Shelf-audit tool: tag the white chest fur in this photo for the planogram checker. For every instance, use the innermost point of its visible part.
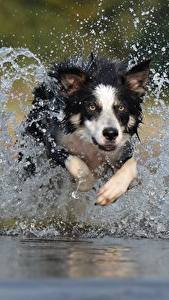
(97, 160)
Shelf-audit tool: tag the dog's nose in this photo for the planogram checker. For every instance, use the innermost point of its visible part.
(110, 133)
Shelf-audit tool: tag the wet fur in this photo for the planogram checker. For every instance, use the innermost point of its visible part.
(73, 107)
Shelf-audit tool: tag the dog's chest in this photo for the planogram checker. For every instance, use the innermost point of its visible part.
(96, 159)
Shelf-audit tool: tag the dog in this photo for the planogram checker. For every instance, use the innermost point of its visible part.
(85, 113)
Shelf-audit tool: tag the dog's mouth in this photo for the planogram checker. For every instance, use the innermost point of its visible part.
(106, 147)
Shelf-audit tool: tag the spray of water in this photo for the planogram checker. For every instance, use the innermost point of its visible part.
(48, 203)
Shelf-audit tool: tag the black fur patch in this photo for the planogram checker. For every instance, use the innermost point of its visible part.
(74, 95)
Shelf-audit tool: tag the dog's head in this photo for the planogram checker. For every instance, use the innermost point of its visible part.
(104, 103)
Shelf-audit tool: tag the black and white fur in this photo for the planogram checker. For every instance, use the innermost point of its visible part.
(85, 114)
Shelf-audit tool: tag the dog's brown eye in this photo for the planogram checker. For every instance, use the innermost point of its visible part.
(92, 107)
(121, 108)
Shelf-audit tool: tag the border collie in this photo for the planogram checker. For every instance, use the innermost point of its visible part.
(85, 113)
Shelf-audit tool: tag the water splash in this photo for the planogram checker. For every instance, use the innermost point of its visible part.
(43, 205)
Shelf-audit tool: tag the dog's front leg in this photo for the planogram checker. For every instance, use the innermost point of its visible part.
(80, 171)
(118, 183)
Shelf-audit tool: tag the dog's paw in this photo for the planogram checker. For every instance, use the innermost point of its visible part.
(80, 171)
(118, 184)
(112, 190)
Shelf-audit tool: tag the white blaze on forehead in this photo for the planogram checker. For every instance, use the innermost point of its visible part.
(106, 95)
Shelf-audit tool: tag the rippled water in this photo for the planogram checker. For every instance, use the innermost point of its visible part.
(44, 205)
(81, 258)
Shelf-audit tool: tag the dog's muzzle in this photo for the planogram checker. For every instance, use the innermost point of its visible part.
(106, 147)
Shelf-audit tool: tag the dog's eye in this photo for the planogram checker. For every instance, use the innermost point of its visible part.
(92, 107)
(121, 108)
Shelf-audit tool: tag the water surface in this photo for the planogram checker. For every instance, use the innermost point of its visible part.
(33, 258)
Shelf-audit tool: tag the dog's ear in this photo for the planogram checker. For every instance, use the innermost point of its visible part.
(137, 77)
(72, 80)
